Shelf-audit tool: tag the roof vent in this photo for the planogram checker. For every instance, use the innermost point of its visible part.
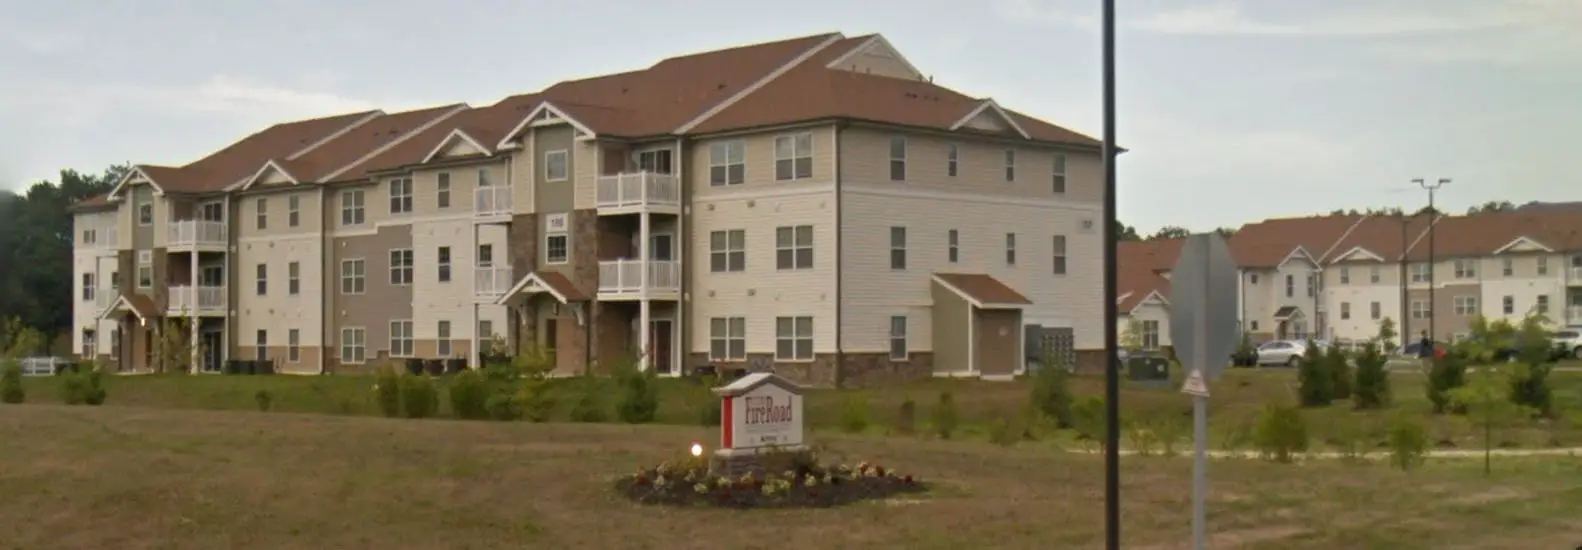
(721, 86)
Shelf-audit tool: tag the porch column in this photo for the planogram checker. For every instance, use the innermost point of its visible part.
(192, 313)
(644, 332)
(477, 354)
(644, 232)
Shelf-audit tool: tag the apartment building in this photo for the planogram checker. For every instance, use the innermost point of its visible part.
(816, 206)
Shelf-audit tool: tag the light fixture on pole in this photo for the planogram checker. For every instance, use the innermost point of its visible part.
(1433, 223)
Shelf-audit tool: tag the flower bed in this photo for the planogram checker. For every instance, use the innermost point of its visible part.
(689, 483)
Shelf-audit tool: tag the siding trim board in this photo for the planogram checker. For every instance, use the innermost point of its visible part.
(904, 192)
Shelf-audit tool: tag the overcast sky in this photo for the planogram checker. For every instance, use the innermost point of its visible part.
(1233, 111)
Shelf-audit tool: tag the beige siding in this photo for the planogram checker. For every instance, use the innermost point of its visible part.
(161, 219)
(463, 182)
(522, 180)
(277, 207)
(1150, 310)
(376, 208)
(1358, 293)
(585, 173)
(278, 311)
(878, 59)
(125, 221)
(759, 155)
(1257, 300)
(865, 157)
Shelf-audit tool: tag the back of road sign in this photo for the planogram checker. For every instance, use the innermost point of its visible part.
(1204, 327)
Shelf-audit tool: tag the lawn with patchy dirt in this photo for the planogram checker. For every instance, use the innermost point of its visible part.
(134, 478)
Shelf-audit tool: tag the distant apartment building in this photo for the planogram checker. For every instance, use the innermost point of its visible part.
(815, 206)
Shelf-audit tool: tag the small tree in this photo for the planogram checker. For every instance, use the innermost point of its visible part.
(945, 416)
(1448, 373)
(1372, 387)
(1387, 334)
(1091, 420)
(11, 390)
(1281, 433)
(1132, 336)
(1340, 375)
(1530, 381)
(1487, 402)
(1052, 393)
(1408, 442)
(639, 395)
(173, 350)
(1316, 383)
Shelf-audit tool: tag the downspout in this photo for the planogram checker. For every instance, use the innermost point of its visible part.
(680, 338)
(327, 291)
(840, 352)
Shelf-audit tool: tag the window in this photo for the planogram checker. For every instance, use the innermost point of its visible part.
(1542, 304)
(898, 350)
(352, 277)
(1010, 249)
(728, 251)
(1312, 285)
(400, 195)
(794, 247)
(1508, 305)
(261, 348)
(293, 345)
(1290, 286)
(1345, 275)
(485, 329)
(442, 190)
(1466, 269)
(657, 161)
(897, 158)
(401, 266)
(115, 280)
(89, 348)
(1419, 309)
(443, 334)
(1059, 182)
(952, 160)
(953, 240)
(557, 247)
(1058, 259)
(87, 287)
(1373, 275)
(293, 278)
(1374, 311)
(897, 247)
(1254, 325)
(354, 345)
(1010, 165)
(794, 338)
(293, 211)
(89, 236)
(352, 207)
(1507, 267)
(400, 338)
(1345, 311)
(444, 264)
(145, 269)
(1420, 273)
(145, 213)
(728, 338)
(1465, 306)
(1252, 279)
(1543, 265)
(1150, 335)
(212, 211)
(727, 163)
(484, 179)
(555, 165)
(794, 156)
(485, 255)
(262, 213)
(261, 279)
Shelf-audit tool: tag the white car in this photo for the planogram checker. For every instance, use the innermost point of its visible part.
(1569, 340)
(1281, 352)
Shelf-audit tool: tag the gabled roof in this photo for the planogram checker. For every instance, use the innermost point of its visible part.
(1522, 242)
(344, 150)
(990, 106)
(1266, 244)
(456, 135)
(485, 124)
(1484, 234)
(137, 304)
(1379, 238)
(1140, 265)
(981, 290)
(553, 282)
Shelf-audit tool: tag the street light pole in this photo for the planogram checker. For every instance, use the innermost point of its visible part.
(1112, 375)
(1433, 224)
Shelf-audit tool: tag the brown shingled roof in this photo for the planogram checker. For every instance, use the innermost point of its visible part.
(1140, 264)
(1267, 243)
(240, 160)
(1482, 234)
(1381, 236)
(985, 289)
(354, 144)
(485, 124)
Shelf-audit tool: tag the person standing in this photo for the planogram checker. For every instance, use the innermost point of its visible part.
(1425, 351)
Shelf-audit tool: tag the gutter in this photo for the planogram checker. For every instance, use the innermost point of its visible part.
(327, 317)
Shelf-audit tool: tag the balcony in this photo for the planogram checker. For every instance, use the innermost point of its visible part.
(494, 201)
(634, 192)
(624, 278)
(210, 300)
(194, 233)
(490, 282)
(1576, 276)
(1574, 315)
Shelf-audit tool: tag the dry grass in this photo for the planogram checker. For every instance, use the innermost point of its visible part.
(134, 478)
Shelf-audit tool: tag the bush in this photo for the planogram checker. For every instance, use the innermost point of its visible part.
(11, 383)
(589, 406)
(639, 397)
(1372, 390)
(1089, 418)
(1339, 367)
(1448, 373)
(469, 396)
(82, 388)
(906, 418)
(1170, 430)
(419, 397)
(1140, 434)
(1003, 433)
(1530, 388)
(1052, 394)
(1281, 433)
(1316, 382)
(854, 414)
(387, 391)
(946, 418)
(263, 399)
(1408, 443)
(503, 406)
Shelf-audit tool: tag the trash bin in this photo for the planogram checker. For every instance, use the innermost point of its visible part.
(414, 367)
(454, 365)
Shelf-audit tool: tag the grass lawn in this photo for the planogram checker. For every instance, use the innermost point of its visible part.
(134, 478)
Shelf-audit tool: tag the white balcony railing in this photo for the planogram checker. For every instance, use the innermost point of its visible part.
(626, 276)
(490, 282)
(1574, 315)
(105, 238)
(494, 200)
(638, 189)
(194, 232)
(209, 299)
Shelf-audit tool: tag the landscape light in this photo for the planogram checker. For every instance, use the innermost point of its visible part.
(697, 449)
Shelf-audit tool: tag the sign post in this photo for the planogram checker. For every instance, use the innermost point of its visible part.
(1203, 330)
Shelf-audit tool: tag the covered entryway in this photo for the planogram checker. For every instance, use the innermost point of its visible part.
(1290, 324)
(977, 326)
(548, 314)
(137, 322)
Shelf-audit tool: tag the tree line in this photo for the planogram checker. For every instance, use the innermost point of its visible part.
(36, 286)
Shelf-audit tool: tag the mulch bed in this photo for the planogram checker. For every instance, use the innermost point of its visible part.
(806, 486)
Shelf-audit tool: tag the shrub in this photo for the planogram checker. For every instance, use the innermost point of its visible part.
(946, 417)
(1002, 433)
(11, 383)
(639, 397)
(1281, 433)
(469, 396)
(906, 418)
(263, 399)
(1316, 382)
(854, 414)
(82, 388)
(1530, 388)
(1089, 418)
(1169, 430)
(1488, 404)
(1448, 373)
(1408, 442)
(1052, 394)
(1140, 435)
(387, 391)
(589, 406)
(1339, 367)
(1372, 390)
(503, 406)
(419, 397)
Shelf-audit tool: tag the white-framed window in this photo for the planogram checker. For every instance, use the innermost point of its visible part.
(293, 345)
(1419, 309)
(1375, 310)
(897, 158)
(400, 195)
(658, 161)
(1150, 335)
(898, 351)
(485, 329)
(484, 179)
(1373, 275)
(261, 345)
(1059, 180)
(353, 276)
(442, 190)
(293, 278)
(1010, 249)
(485, 255)
(1252, 278)
(794, 247)
(1420, 272)
(555, 165)
(1290, 286)
(145, 269)
(728, 251)
(354, 345)
(1541, 305)
(1465, 306)
(401, 266)
(1345, 275)
(1058, 256)
(212, 211)
(293, 210)
(262, 214)
(1466, 268)
(261, 279)
(557, 247)
(115, 281)
(1543, 265)
(1508, 305)
(401, 338)
(443, 264)
(952, 159)
(145, 213)
(794, 156)
(87, 287)
(442, 334)
(728, 338)
(1312, 284)
(90, 236)
(1507, 267)
(1345, 311)
(90, 348)
(953, 246)
(897, 247)
(727, 163)
(1010, 165)
(352, 207)
(794, 338)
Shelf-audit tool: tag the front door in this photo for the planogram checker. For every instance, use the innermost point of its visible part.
(660, 344)
(213, 343)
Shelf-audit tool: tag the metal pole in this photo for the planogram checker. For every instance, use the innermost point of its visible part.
(1199, 470)
(1112, 380)
(1405, 324)
(1433, 224)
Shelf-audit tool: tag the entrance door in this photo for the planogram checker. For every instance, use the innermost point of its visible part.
(661, 247)
(212, 342)
(551, 334)
(661, 337)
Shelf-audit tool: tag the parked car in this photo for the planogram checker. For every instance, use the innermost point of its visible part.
(1281, 352)
(1568, 342)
